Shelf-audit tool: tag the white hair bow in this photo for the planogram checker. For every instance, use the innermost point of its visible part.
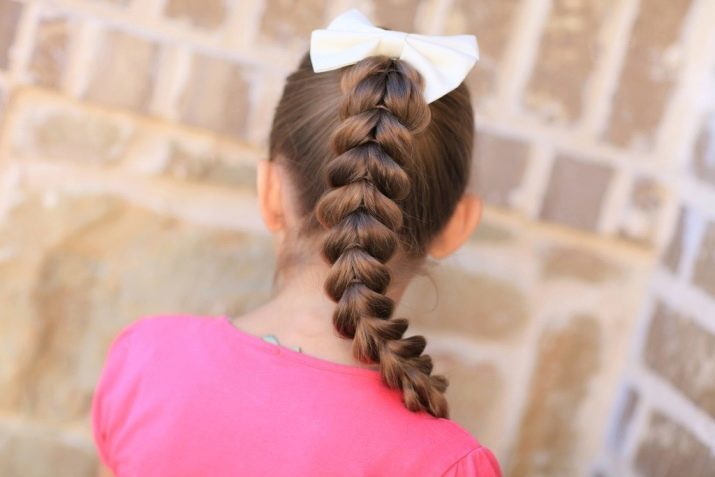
(443, 61)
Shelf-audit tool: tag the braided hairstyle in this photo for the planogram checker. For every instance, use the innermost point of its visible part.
(378, 173)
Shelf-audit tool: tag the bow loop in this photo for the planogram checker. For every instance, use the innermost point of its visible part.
(443, 61)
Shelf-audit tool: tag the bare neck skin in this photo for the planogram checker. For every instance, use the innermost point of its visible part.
(300, 314)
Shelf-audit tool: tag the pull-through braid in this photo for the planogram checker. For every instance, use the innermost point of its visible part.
(382, 108)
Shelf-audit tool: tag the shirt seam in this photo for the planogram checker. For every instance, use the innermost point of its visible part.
(473, 449)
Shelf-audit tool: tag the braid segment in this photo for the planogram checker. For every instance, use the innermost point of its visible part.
(381, 110)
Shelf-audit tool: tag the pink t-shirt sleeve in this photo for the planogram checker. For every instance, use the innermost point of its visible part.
(107, 398)
(479, 462)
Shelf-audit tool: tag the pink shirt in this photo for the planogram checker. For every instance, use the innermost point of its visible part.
(188, 395)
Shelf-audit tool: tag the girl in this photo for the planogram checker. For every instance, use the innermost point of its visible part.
(367, 176)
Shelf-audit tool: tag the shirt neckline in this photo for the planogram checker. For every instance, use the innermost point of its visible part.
(293, 355)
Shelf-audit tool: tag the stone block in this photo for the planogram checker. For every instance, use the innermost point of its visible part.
(210, 167)
(704, 154)
(461, 302)
(285, 22)
(216, 97)
(670, 450)
(48, 127)
(50, 50)
(681, 352)
(566, 364)
(95, 279)
(653, 61)
(579, 264)
(10, 12)
(499, 164)
(207, 14)
(42, 453)
(475, 392)
(674, 251)
(396, 14)
(492, 22)
(123, 71)
(704, 270)
(575, 192)
(641, 219)
(568, 51)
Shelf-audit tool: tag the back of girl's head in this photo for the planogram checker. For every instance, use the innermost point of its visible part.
(377, 173)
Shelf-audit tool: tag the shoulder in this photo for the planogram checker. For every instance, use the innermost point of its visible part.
(453, 451)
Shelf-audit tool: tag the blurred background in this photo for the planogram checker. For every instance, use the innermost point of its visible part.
(578, 324)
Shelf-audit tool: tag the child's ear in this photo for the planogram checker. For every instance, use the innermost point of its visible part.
(270, 199)
(460, 226)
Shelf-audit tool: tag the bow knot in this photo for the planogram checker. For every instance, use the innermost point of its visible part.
(443, 61)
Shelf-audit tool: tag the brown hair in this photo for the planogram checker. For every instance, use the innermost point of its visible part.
(378, 171)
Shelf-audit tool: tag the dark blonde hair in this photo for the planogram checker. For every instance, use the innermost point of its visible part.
(377, 171)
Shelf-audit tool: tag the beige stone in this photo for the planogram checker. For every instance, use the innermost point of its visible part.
(89, 282)
(474, 392)
(43, 453)
(123, 71)
(649, 74)
(210, 167)
(286, 22)
(674, 251)
(567, 361)
(9, 15)
(465, 303)
(568, 52)
(216, 97)
(499, 164)
(704, 154)
(670, 450)
(704, 271)
(49, 54)
(641, 221)
(49, 127)
(681, 352)
(492, 22)
(200, 13)
(396, 14)
(579, 264)
(575, 192)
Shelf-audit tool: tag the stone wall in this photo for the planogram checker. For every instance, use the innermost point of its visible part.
(577, 325)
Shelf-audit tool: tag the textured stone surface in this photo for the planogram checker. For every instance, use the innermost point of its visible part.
(465, 303)
(396, 14)
(50, 127)
(568, 360)
(94, 279)
(567, 54)
(9, 15)
(642, 216)
(49, 54)
(669, 450)
(492, 22)
(579, 264)
(210, 167)
(499, 164)
(473, 393)
(704, 271)
(575, 192)
(704, 154)
(201, 13)
(674, 251)
(43, 453)
(216, 96)
(286, 22)
(650, 71)
(682, 352)
(123, 71)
